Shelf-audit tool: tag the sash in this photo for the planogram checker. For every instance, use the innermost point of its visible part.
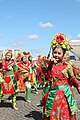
(7, 64)
(23, 67)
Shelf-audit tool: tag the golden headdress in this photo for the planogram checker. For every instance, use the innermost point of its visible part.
(60, 40)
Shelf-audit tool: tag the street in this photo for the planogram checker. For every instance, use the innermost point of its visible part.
(27, 111)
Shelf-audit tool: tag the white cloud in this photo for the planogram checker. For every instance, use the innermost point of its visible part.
(46, 25)
(18, 43)
(9, 17)
(78, 36)
(37, 50)
(33, 36)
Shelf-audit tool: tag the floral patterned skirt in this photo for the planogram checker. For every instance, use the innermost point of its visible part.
(60, 108)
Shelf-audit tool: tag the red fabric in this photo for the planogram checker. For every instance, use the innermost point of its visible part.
(8, 86)
(73, 81)
(57, 71)
(60, 108)
(16, 74)
(21, 83)
(21, 79)
(23, 66)
(44, 99)
(75, 70)
(6, 64)
(39, 74)
(40, 80)
(32, 77)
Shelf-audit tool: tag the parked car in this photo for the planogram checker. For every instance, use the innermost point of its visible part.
(72, 57)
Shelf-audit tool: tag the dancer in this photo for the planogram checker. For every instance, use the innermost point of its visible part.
(9, 86)
(41, 70)
(33, 66)
(58, 101)
(1, 80)
(23, 76)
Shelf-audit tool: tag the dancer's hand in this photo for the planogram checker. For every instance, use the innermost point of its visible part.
(53, 59)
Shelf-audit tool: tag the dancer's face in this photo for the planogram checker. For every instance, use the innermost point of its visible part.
(24, 59)
(8, 56)
(58, 54)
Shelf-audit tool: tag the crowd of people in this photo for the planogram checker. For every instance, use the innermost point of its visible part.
(55, 74)
(20, 74)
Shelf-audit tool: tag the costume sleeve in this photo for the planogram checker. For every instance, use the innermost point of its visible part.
(1, 78)
(16, 72)
(49, 72)
(72, 79)
(76, 71)
(15, 68)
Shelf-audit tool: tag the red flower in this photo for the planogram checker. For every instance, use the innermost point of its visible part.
(9, 50)
(24, 53)
(59, 39)
(19, 55)
(28, 53)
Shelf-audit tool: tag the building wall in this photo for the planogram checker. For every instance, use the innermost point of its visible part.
(76, 50)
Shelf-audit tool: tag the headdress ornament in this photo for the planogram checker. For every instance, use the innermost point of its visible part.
(67, 55)
(18, 55)
(41, 57)
(22, 53)
(29, 53)
(60, 40)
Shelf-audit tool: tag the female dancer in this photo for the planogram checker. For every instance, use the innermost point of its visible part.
(58, 101)
(23, 76)
(9, 86)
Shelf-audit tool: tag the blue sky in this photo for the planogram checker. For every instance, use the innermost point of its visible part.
(30, 25)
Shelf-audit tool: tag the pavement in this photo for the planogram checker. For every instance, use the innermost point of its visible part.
(26, 111)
